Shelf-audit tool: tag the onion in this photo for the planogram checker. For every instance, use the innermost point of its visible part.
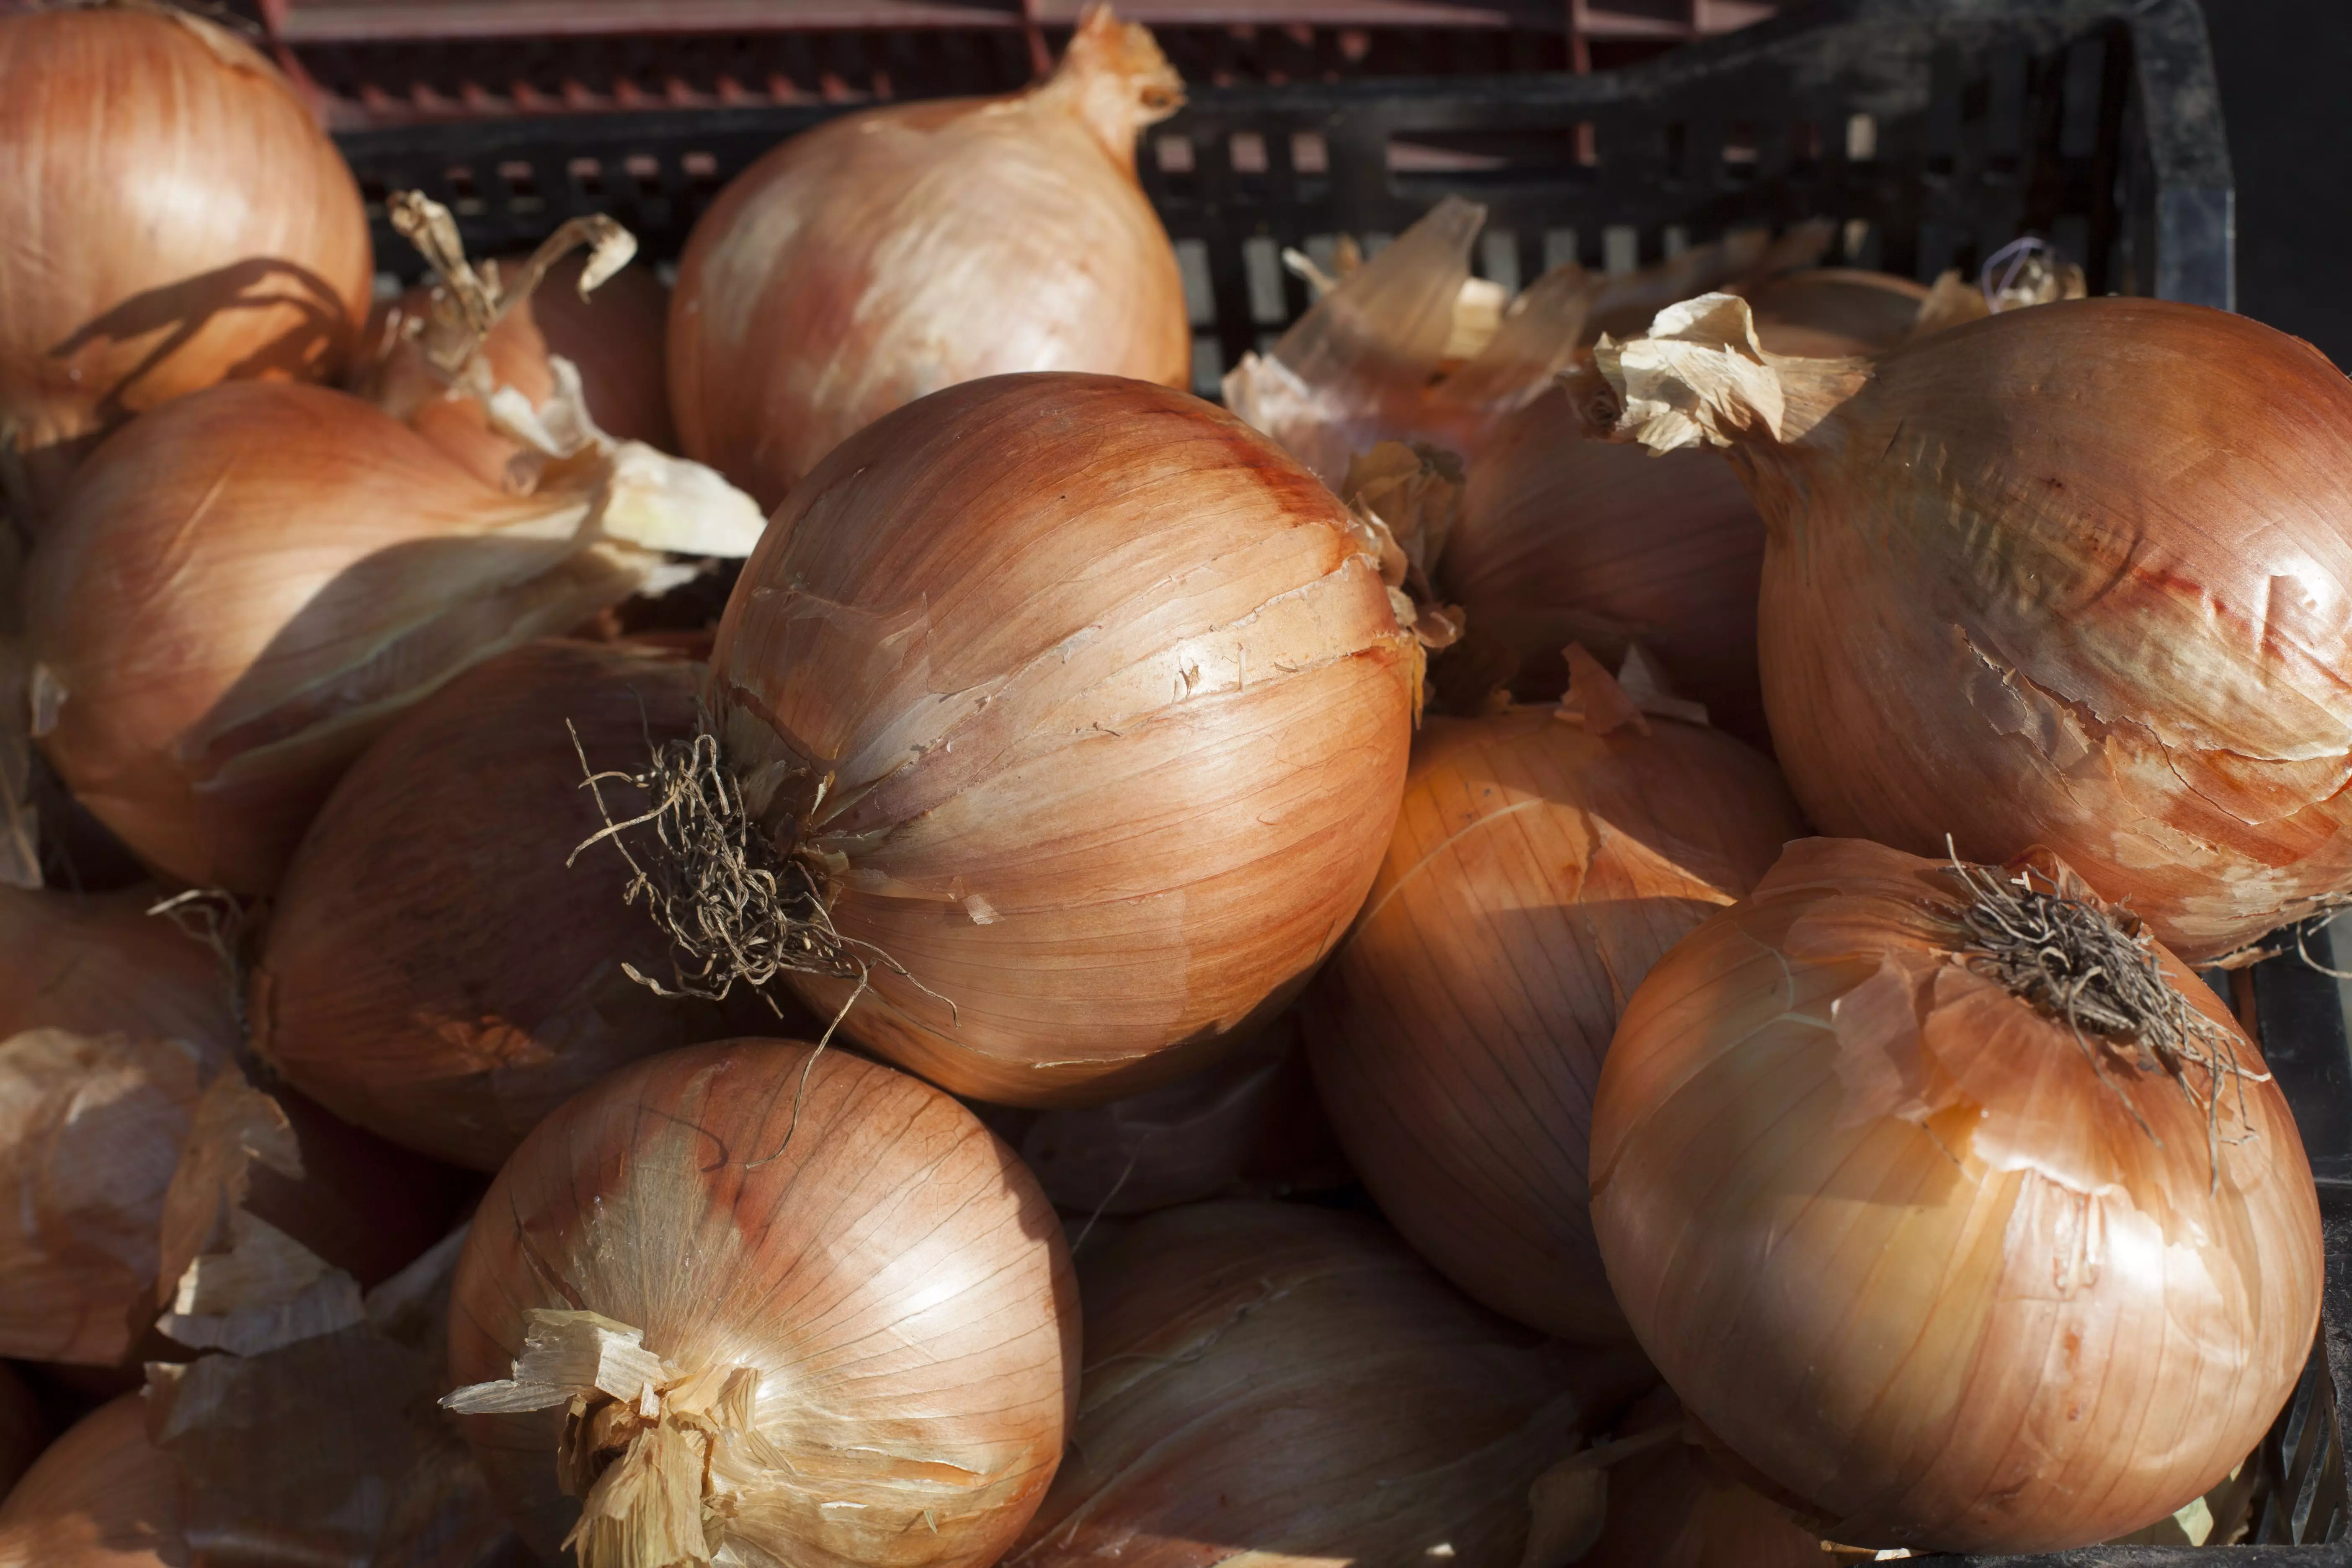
(23, 1432)
(801, 1308)
(889, 254)
(1247, 1126)
(242, 587)
(113, 1027)
(2014, 594)
(1539, 867)
(1564, 538)
(1956, 1274)
(102, 1496)
(1060, 835)
(1285, 1386)
(1669, 1502)
(1833, 311)
(412, 977)
(174, 216)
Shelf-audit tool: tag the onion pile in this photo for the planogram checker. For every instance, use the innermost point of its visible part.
(242, 588)
(889, 254)
(757, 1299)
(1539, 867)
(2013, 595)
(175, 217)
(1059, 835)
(1563, 537)
(1954, 1271)
(1248, 1126)
(410, 978)
(1288, 1386)
(102, 1496)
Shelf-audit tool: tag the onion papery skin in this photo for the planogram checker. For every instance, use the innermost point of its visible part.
(615, 338)
(175, 218)
(243, 588)
(101, 964)
(102, 1497)
(412, 977)
(1246, 1126)
(23, 1432)
(1537, 872)
(1562, 537)
(1115, 816)
(1673, 1506)
(889, 254)
(1906, 1252)
(2079, 576)
(1829, 312)
(1288, 1385)
(891, 1271)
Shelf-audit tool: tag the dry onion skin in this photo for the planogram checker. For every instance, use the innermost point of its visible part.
(1288, 1386)
(102, 1497)
(2073, 575)
(411, 978)
(889, 254)
(1834, 313)
(242, 588)
(1669, 1503)
(1539, 867)
(1949, 1272)
(1080, 831)
(1562, 537)
(784, 1305)
(175, 218)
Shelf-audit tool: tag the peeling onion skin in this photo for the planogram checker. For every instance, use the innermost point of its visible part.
(216, 592)
(175, 217)
(893, 1272)
(23, 1432)
(2079, 575)
(1855, 1246)
(891, 253)
(1537, 872)
(102, 1496)
(1829, 312)
(1288, 1386)
(1565, 538)
(1162, 861)
(408, 978)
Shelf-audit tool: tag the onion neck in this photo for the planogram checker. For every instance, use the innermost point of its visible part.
(1700, 377)
(1114, 79)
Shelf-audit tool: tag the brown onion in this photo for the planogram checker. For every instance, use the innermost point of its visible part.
(1247, 1126)
(1954, 1271)
(1539, 867)
(1562, 537)
(2075, 576)
(242, 589)
(102, 1497)
(759, 1297)
(412, 977)
(1669, 1503)
(23, 1431)
(174, 216)
(1833, 311)
(891, 253)
(1082, 828)
(1285, 1386)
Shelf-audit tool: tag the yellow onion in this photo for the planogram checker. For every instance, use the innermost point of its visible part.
(757, 1299)
(175, 217)
(1953, 1271)
(2075, 576)
(1829, 312)
(1539, 867)
(889, 254)
(114, 1027)
(1562, 537)
(102, 1497)
(1285, 1386)
(410, 977)
(1668, 1502)
(242, 589)
(23, 1432)
(1072, 716)
(1246, 1126)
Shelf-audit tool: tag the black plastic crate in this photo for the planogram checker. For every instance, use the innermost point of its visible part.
(1931, 132)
